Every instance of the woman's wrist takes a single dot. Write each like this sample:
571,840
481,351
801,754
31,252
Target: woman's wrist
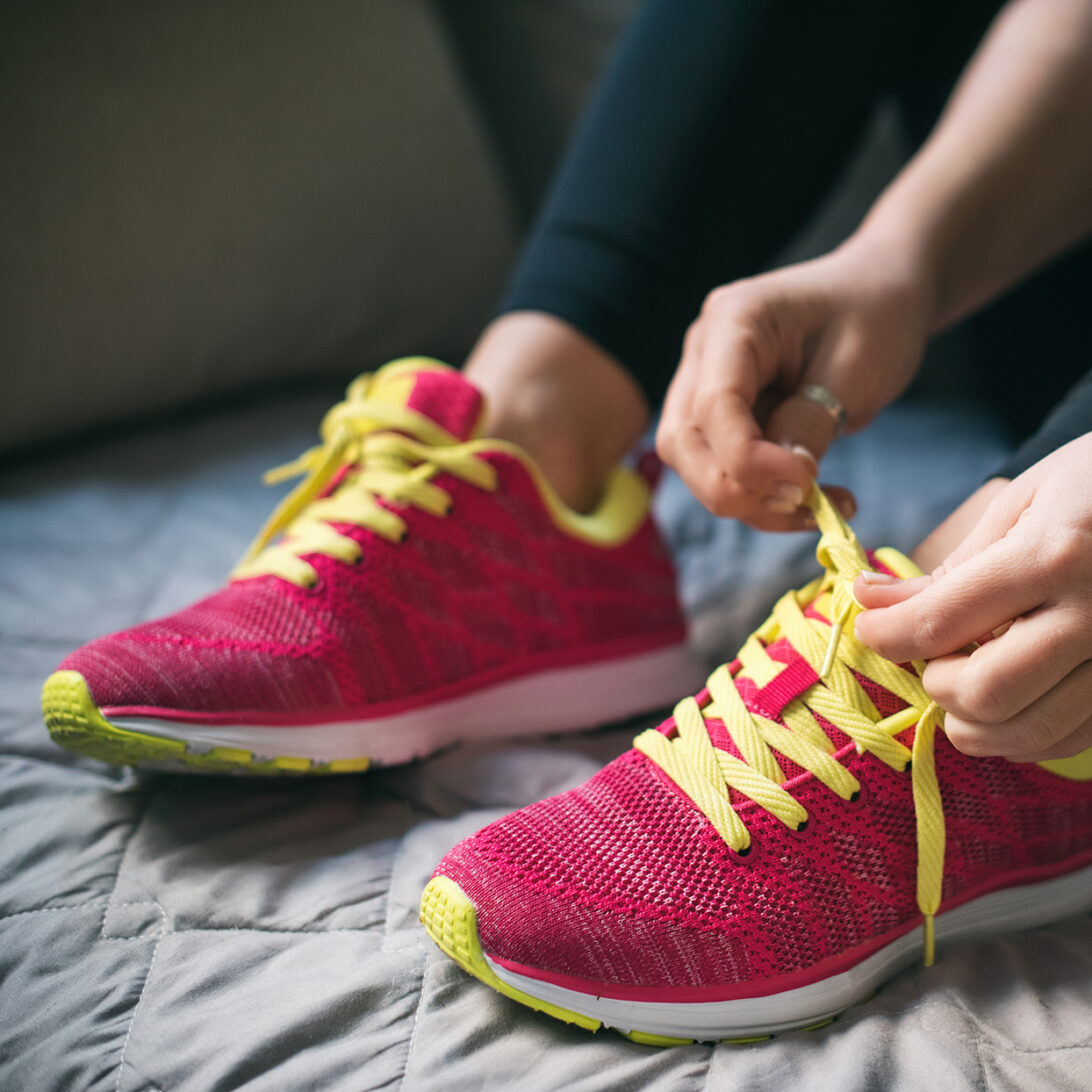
900,264
948,535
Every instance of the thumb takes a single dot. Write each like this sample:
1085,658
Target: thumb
808,419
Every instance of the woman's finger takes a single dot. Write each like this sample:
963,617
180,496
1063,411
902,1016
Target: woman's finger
677,414
693,463
1044,727
877,590
738,363
799,422
976,597
1073,744
1001,678
842,499
813,422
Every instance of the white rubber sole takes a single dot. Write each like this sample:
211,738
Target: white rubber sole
565,699
1000,912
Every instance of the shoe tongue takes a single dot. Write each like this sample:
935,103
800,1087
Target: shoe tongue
797,676
433,390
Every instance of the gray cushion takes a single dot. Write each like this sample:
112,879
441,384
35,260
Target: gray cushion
197,197
194,933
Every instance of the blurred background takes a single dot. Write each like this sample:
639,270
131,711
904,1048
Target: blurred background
210,198
213,214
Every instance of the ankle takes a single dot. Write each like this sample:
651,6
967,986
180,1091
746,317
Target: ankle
575,468
561,398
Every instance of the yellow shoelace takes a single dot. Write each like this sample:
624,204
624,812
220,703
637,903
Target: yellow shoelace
391,453
706,773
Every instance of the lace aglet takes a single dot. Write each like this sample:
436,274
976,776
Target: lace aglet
929,939
280,474
832,648
299,465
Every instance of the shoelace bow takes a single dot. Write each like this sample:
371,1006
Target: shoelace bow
385,451
706,773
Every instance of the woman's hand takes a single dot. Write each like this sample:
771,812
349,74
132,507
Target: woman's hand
734,425
1020,584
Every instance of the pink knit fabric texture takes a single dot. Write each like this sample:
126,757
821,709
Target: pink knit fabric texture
623,881
493,591
448,400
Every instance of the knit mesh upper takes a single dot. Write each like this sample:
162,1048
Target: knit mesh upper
624,881
493,590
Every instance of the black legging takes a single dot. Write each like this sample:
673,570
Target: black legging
716,130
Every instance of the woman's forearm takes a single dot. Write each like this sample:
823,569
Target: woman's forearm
1004,182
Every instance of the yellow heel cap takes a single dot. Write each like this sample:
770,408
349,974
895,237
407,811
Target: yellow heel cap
76,724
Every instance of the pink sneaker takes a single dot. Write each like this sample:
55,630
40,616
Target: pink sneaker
420,587
773,852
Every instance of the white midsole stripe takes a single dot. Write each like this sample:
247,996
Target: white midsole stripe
562,699
1000,912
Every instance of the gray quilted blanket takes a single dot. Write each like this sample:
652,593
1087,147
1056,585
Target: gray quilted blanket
190,933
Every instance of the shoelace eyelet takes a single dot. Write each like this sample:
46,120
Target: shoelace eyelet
804,831
688,755
315,586
858,799
745,856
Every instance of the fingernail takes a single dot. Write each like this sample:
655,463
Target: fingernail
802,452
847,508
870,577
790,493
781,507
